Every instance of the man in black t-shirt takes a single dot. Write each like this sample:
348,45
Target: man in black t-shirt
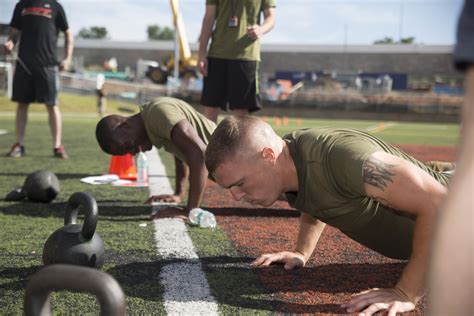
36,72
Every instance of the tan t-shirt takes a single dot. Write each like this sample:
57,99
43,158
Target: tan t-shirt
233,42
331,187
162,114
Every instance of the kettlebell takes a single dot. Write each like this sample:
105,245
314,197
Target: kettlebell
75,243
39,186
58,277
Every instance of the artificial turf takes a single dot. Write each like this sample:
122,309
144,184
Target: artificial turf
130,248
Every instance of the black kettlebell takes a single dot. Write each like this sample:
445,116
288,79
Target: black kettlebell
39,186
60,277
75,243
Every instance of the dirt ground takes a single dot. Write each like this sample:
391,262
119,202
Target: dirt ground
339,266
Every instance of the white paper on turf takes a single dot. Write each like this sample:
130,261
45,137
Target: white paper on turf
104,179
114,180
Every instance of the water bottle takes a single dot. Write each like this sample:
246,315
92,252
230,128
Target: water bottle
202,218
142,168
195,215
208,220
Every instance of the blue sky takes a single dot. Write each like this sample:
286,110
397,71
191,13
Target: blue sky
298,21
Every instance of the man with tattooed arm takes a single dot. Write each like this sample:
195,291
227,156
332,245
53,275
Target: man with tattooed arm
373,192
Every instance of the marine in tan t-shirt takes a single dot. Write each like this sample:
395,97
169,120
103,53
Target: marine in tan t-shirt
162,114
373,192
169,123
329,164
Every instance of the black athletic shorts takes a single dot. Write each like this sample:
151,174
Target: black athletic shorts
35,84
231,84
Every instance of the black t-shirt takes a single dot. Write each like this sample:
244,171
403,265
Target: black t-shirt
39,22
464,52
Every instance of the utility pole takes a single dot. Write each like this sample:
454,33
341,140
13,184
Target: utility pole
400,23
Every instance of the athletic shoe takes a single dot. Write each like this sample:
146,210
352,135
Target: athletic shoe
60,152
16,151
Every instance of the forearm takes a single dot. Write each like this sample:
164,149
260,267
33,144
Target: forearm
197,184
68,44
13,34
182,173
268,22
412,280
308,236
206,32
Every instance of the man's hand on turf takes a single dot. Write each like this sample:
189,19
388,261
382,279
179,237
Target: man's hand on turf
171,211
290,259
371,301
164,198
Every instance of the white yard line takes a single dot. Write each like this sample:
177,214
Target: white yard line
186,291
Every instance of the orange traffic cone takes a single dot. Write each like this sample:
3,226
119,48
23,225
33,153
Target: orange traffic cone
123,166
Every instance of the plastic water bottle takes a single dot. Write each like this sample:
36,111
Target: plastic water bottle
142,168
202,218
208,220
195,215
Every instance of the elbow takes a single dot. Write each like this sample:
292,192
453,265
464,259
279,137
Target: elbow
197,161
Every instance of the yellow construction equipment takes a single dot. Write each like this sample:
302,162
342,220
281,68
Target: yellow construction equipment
187,62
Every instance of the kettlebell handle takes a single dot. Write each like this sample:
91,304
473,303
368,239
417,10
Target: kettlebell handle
58,277
91,213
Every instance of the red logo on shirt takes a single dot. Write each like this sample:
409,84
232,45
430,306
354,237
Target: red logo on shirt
46,12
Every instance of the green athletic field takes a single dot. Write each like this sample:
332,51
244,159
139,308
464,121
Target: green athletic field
130,248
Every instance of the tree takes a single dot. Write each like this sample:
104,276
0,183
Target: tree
385,40
155,32
407,40
389,40
94,32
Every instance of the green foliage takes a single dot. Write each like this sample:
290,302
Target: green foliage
93,32
407,40
156,32
389,40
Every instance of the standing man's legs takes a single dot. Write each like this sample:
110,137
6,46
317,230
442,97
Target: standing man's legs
18,149
240,112
242,88
211,113
55,124
23,94
47,89
20,122
214,91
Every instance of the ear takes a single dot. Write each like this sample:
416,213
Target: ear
125,124
268,154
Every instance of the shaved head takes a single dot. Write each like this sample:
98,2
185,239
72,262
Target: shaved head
107,131
239,138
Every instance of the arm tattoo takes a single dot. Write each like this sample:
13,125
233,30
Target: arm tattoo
377,173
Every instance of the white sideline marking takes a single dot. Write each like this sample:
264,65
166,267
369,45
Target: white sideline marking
186,291
157,180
